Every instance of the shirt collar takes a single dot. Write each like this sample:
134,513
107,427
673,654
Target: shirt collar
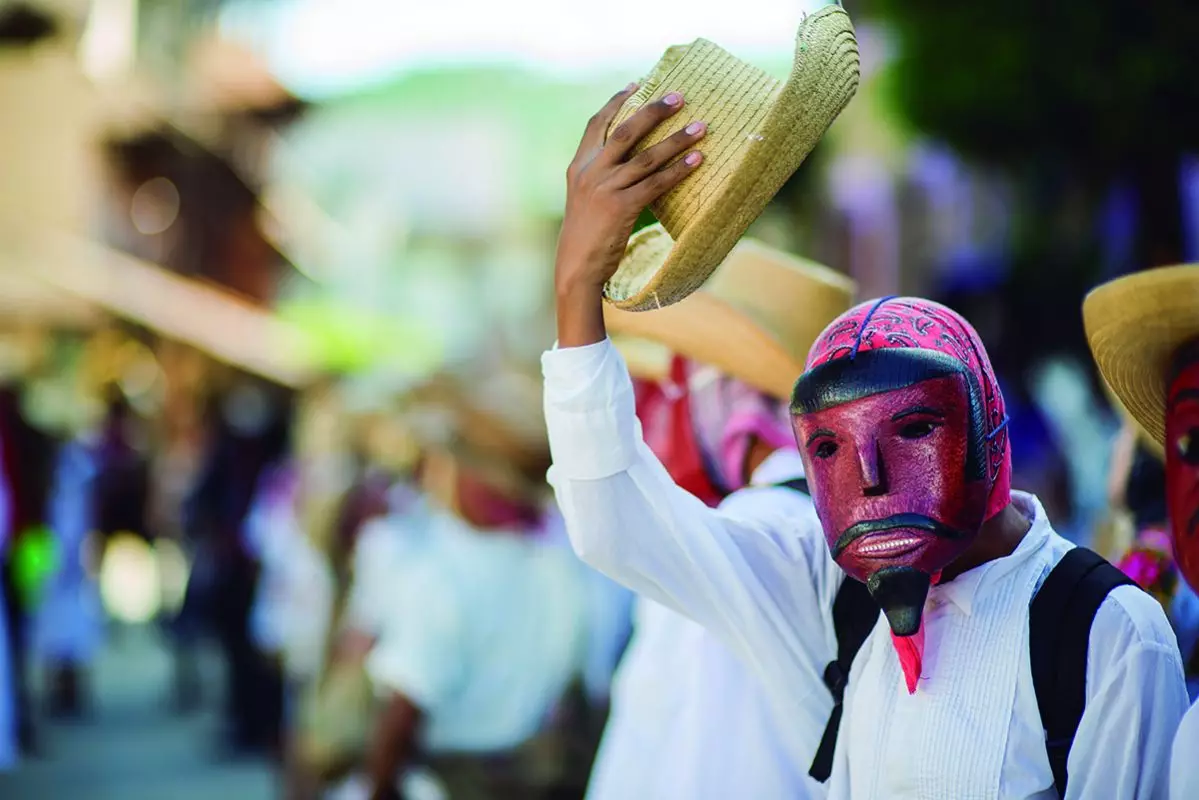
974,584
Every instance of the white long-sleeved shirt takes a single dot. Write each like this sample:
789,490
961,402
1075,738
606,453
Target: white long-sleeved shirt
688,719
1184,765
763,584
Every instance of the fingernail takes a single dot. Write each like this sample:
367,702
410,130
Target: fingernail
693,158
631,86
672,99
694,128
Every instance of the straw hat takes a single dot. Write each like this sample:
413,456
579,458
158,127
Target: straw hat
492,424
646,359
759,131
1135,326
753,320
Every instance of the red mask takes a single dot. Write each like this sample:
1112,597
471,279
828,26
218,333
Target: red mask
1182,464
665,413
903,433
887,473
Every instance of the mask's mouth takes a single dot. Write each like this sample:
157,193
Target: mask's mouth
892,536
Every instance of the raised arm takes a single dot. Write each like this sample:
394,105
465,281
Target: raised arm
737,572
727,569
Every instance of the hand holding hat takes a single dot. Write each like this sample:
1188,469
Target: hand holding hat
605,195
637,153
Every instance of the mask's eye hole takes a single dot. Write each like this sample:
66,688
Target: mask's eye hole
1187,446
826,449
917,430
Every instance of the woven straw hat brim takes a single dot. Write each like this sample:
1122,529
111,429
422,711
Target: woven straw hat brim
646,359
1135,326
759,132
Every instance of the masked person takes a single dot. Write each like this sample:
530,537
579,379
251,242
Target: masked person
488,629
902,430
679,689
1144,334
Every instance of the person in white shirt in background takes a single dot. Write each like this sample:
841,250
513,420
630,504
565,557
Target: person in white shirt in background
901,427
689,720
385,545
488,630
1144,333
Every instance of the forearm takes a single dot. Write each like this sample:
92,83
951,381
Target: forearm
392,746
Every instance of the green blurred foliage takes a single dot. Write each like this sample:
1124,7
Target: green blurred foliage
1099,85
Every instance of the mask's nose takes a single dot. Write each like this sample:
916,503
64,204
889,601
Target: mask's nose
870,461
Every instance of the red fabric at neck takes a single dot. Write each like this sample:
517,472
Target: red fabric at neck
665,413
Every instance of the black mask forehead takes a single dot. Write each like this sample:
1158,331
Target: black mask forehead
872,372
844,380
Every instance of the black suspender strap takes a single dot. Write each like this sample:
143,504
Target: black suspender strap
1059,632
854,616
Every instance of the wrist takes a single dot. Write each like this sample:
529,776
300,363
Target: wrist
580,314
574,286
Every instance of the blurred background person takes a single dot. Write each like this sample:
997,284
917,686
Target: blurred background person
70,622
485,584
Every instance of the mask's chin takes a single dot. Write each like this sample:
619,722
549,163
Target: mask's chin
900,591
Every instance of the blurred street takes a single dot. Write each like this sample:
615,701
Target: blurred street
133,747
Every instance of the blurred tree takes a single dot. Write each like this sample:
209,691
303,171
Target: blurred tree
1065,96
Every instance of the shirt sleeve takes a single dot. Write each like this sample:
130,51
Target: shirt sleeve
422,654
756,572
1136,697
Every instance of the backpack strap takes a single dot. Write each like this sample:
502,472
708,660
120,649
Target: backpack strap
854,616
1059,627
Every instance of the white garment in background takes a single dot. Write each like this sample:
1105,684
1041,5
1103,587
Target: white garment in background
489,630
765,584
294,598
688,719
383,550
1184,765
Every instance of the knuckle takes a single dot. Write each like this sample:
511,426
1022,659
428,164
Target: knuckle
643,161
623,134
